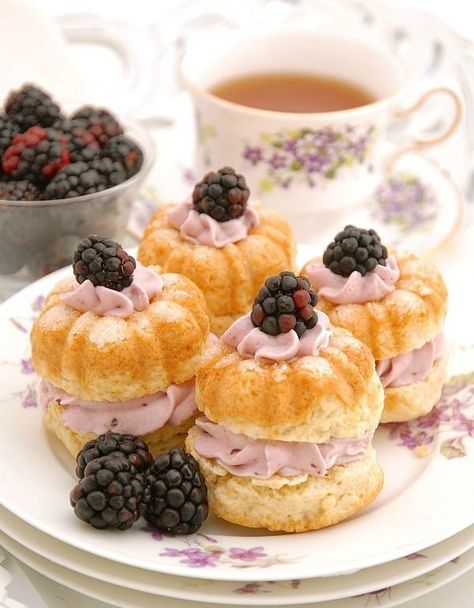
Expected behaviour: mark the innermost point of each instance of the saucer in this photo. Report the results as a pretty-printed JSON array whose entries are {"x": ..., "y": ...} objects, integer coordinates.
[
  {"x": 127, "y": 598},
  {"x": 365, "y": 582}
]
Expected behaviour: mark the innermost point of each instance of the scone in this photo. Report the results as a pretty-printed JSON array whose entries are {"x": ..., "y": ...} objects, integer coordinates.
[
  {"x": 116, "y": 349},
  {"x": 394, "y": 302},
  {"x": 225, "y": 245},
  {"x": 290, "y": 405}
]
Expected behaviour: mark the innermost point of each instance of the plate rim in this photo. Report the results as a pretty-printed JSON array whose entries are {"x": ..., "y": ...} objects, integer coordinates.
[{"x": 228, "y": 596}]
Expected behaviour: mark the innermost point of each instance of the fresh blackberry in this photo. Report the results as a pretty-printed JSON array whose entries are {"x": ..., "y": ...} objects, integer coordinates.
[
  {"x": 19, "y": 191},
  {"x": 355, "y": 250},
  {"x": 110, "y": 493},
  {"x": 133, "y": 448},
  {"x": 126, "y": 151},
  {"x": 31, "y": 106},
  {"x": 284, "y": 303},
  {"x": 81, "y": 178},
  {"x": 98, "y": 121},
  {"x": 8, "y": 130},
  {"x": 223, "y": 195},
  {"x": 103, "y": 262},
  {"x": 175, "y": 495},
  {"x": 36, "y": 155},
  {"x": 82, "y": 144}
]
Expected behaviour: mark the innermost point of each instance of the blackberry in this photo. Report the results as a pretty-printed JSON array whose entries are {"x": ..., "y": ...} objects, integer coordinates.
[
  {"x": 19, "y": 191},
  {"x": 8, "y": 130},
  {"x": 31, "y": 106},
  {"x": 82, "y": 144},
  {"x": 81, "y": 178},
  {"x": 136, "y": 450},
  {"x": 175, "y": 495},
  {"x": 127, "y": 152},
  {"x": 98, "y": 121},
  {"x": 355, "y": 250},
  {"x": 36, "y": 155},
  {"x": 110, "y": 493},
  {"x": 284, "y": 303},
  {"x": 103, "y": 262},
  {"x": 223, "y": 195}
]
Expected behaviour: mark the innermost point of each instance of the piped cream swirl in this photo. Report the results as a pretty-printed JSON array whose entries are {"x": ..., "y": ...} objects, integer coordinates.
[
  {"x": 107, "y": 302},
  {"x": 354, "y": 289},
  {"x": 202, "y": 229},
  {"x": 253, "y": 343}
]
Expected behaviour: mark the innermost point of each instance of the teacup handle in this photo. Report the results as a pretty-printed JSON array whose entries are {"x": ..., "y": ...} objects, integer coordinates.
[{"x": 443, "y": 88}]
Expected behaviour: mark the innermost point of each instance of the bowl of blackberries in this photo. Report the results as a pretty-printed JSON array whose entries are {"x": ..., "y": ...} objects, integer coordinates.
[{"x": 63, "y": 175}]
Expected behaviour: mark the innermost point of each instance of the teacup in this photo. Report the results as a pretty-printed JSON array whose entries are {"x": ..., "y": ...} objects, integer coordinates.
[{"x": 310, "y": 166}]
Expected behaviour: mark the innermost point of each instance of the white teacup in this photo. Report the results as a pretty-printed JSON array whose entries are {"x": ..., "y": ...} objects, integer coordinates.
[{"x": 310, "y": 166}]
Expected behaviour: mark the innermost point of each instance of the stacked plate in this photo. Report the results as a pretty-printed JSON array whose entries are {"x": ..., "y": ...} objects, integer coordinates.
[{"x": 416, "y": 536}]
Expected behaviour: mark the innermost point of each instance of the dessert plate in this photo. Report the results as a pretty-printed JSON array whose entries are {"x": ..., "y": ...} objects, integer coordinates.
[
  {"x": 260, "y": 593},
  {"x": 426, "y": 464},
  {"x": 124, "y": 598}
]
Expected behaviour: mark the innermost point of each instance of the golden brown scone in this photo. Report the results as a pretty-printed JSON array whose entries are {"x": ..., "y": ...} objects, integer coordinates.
[
  {"x": 403, "y": 320},
  {"x": 417, "y": 399},
  {"x": 104, "y": 358},
  {"x": 161, "y": 440},
  {"x": 311, "y": 399},
  {"x": 229, "y": 277},
  {"x": 289, "y": 504}
]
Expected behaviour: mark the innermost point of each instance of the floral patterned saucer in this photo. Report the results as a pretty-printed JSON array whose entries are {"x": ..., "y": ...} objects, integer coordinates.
[
  {"x": 368, "y": 582},
  {"x": 126, "y": 598},
  {"x": 426, "y": 463}
]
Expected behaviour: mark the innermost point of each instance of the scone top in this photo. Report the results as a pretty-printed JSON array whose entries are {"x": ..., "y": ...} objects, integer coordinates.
[
  {"x": 222, "y": 194},
  {"x": 355, "y": 250},
  {"x": 284, "y": 303},
  {"x": 103, "y": 262}
]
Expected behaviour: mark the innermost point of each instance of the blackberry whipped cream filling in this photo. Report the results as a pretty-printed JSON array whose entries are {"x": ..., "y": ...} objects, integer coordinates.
[
  {"x": 261, "y": 459},
  {"x": 253, "y": 343},
  {"x": 354, "y": 289},
  {"x": 138, "y": 416},
  {"x": 108, "y": 302},
  {"x": 201, "y": 229},
  {"x": 412, "y": 366}
]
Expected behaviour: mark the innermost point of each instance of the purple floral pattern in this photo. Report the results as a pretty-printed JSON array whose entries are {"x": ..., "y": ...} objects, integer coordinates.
[
  {"x": 266, "y": 587},
  {"x": 413, "y": 556},
  {"x": 454, "y": 412},
  {"x": 247, "y": 555},
  {"x": 202, "y": 550},
  {"x": 405, "y": 201},
  {"x": 308, "y": 155},
  {"x": 26, "y": 366}
]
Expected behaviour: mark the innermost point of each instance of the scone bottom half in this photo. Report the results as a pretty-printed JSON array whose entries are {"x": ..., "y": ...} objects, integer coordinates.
[{"x": 264, "y": 464}]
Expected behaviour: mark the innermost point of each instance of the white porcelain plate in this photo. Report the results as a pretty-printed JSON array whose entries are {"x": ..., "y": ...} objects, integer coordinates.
[
  {"x": 367, "y": 581},
  {"x": 428, "y": 494},
  {"x": 124, "y": 598}
]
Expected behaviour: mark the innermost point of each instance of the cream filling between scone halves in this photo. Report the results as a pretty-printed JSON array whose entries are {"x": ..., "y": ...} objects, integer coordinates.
[
  {"x": 260, "y": 459},
  {"x": 138, "y": 416}
]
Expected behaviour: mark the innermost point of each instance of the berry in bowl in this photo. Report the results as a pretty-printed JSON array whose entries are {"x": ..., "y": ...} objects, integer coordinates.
[{"x": 61, "y": 177}]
